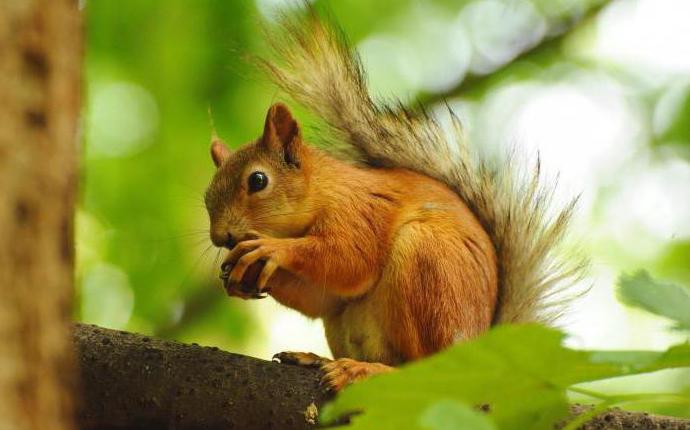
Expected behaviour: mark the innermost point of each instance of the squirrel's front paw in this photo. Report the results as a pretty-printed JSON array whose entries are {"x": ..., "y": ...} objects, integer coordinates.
[
  {"x": 246, "y": 288},
  {"x": 272, "y": 252}
]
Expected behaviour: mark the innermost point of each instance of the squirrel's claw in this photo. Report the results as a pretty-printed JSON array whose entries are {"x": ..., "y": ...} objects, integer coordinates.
[
  {"x": 247, "y": 253},
  {"x": 304, "y": 359},
  {"x": 248, "y": 282},
  {"x": 239, "y": 289},
  {"x": 338, "y": 374},
  {"x": 270, "y": 266}
]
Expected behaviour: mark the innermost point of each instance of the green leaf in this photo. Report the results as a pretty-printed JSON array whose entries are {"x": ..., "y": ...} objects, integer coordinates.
[
  {"x": 449, "y": 414},
  {"x": 664, "y": 299},
  {"x": 635, "y": 362},
  {"x": 502, "y": 368},
  {"x": 673, "y": 111},
  {"x": 522, "y": 372}
]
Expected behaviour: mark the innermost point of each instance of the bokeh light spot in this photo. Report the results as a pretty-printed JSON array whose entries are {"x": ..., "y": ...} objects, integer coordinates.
[
  {"x": 496, "y": 38},
  {"x": 106, "y": 296},
  {"x": 648, "y": 34},
  {"x": 122, "y": 117}
]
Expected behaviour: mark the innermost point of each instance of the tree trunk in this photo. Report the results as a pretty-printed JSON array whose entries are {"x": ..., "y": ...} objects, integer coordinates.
[
  {"x": 131, "y": 381},
  {"x": 40, "y": 55}
]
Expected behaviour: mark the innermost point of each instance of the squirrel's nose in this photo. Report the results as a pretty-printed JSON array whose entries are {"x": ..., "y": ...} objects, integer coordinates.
[
  {"x": 230, "y": 241},
  {"x": 223, "y": 239}
]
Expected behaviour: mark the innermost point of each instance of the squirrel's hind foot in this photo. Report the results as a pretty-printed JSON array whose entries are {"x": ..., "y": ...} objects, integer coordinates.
[{"x": 338, "y": 374}]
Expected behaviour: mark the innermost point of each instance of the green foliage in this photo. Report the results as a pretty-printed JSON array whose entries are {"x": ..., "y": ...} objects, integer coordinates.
[
  {"x": 522, "y": 372},
  {"x": 447, "y": 414},
  {"x": 675, "y": 103},
  {"x": 674, "y": 262},
  {"x": 153, "y": 70},
  {"x": 664, "y": 299}
]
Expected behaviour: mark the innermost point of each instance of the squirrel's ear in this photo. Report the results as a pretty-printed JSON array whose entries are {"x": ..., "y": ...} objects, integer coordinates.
[
  {"x": 219, "y": 151},
  {"x": 282, "y": 133}
]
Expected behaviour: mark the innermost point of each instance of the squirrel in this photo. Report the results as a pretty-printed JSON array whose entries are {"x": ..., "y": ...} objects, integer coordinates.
[{"x": 415, "y": 243}]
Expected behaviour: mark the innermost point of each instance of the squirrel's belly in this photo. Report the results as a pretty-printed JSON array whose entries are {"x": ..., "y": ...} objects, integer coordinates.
[
  {"x": 308, "y": 299},
  {"x": 357, "y": 333}
]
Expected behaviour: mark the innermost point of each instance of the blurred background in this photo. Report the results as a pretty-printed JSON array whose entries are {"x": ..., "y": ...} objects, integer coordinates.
[{"x": 600, "y": 88}]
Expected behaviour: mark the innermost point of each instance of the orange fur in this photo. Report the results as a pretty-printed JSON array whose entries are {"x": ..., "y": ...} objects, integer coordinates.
[{"x": 393, "y": 261}]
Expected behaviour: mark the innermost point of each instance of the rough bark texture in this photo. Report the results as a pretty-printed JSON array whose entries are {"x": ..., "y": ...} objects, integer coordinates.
[
  {"x": 136, "y": 382},
  {"x": 131, "y": 381},
  {"x": 617, "y": 419},
  {"x": 40, "y": 58}
]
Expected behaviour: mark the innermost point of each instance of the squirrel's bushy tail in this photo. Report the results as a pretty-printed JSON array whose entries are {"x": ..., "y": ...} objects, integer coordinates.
[{"x": 313, "y": 63}]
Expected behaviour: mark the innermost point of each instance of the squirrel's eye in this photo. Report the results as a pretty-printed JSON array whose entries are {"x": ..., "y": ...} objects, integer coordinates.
[{"x": 257, "y": 181}]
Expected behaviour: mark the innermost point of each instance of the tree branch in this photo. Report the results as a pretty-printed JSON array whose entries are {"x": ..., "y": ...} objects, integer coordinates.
[
  {"x": 617, "y": 419},
  {"x": 130, "y": 381},
  {"x": 548, "y": 46}
]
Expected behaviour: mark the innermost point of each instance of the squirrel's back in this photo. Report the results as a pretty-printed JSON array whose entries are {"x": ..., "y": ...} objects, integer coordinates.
[{"x": 314, "y": 65}]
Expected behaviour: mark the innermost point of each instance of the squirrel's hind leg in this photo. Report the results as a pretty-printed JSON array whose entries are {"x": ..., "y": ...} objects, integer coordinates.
[{"x": 337, "y": 374}]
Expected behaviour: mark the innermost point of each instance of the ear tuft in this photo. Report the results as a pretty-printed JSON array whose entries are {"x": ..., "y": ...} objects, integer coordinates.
[
  {"x": 219, "y": 151},
  {"x": 282, "y": 133}
]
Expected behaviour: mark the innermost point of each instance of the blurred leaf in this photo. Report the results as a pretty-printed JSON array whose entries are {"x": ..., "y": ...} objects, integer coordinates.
[
  {"x": 447, "y": 414},
  {"x": 634, "y": 362},
  {"x": 664, "y": 299},
  {"x": 674, "y": 262},
  {"x": 679, "y": 409},
  {"x": 522, "y": 372},
  {"x": 673, "y": 111}
]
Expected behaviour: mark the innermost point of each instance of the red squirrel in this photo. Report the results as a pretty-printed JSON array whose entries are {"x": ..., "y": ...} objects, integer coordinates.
[{"x": 418, "y": 244}]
